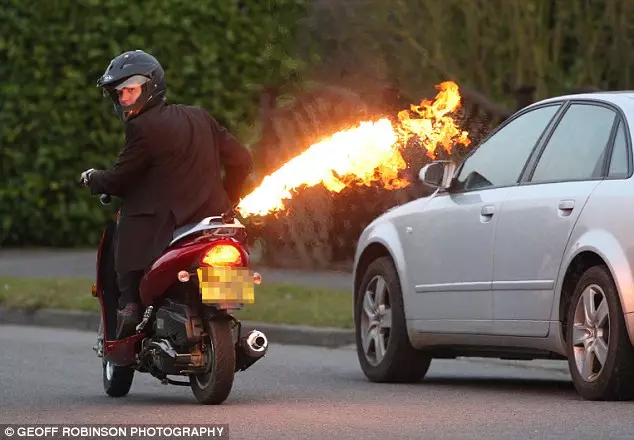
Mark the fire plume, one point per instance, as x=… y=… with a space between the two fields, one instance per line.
x=434 y=126
x=362 y=155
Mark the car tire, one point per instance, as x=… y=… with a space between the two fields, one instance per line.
x=400 y=362
x=600 y=355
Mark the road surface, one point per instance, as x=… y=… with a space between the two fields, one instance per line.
x=53 y=376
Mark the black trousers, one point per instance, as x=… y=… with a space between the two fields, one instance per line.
x=128 y=283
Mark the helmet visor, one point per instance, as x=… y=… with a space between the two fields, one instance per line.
x=133 y=81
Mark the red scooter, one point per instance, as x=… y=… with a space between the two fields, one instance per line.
x=189 y=294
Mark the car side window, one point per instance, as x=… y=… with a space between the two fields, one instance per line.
x=619 y=160
x=500 y=159
x=577 y=146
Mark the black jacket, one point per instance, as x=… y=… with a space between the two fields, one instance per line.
x=169 y=175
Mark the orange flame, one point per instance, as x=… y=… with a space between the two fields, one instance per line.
x=362 y=155
x=435 y=126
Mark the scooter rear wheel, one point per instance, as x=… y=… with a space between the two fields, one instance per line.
x=213 y=387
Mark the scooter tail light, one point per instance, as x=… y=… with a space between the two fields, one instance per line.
x=222 y=255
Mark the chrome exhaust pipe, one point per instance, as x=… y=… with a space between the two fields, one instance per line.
x=250 y=349
x=256 y=343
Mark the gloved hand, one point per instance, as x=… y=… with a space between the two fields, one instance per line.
x=85 y=176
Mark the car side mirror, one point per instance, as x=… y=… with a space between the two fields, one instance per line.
x=437 y=174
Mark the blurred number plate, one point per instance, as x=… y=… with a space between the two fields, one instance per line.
x=226 y=285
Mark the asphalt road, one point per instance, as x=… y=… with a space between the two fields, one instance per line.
x=53 y=376
x=40 y=263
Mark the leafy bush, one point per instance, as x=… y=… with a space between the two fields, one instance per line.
x=491 y=46
x=54 y=122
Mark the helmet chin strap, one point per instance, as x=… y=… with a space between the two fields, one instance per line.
x=129 y=114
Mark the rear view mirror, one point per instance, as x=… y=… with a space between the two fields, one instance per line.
x=437 y=174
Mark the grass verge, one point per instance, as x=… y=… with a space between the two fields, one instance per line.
x=274 y=303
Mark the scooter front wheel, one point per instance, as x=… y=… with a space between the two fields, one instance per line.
x=214 y=386
x=117 y=381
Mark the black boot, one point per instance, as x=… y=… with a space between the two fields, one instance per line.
x=127 y=320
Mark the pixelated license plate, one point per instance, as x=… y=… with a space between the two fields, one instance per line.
x=221 y=285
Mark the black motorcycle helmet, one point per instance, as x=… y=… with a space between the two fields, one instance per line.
x=134 y=68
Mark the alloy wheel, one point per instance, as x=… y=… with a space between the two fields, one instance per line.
x=376 y=320
x=591 y=332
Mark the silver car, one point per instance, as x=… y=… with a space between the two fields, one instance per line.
x=524 y=251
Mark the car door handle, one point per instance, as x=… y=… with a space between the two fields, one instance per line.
x=487 y=210
x=567 y=205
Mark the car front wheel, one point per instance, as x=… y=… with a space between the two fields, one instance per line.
x=383 y=348
x=600 y=355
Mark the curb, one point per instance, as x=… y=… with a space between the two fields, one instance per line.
x=89 y=321
x=276 y=333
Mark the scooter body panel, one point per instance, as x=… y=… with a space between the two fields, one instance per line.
x=186 y=256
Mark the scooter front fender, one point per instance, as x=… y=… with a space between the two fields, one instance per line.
x=123 y=352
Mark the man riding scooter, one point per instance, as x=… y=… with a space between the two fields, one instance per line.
x=167 y=175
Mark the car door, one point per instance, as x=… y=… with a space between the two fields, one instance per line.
x=450 y=242
x=537 y=217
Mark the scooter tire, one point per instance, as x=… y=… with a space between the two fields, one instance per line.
x=117 y=381
x=213 y=387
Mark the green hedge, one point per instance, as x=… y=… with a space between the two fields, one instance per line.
x=490 y=46
x=54 y=123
